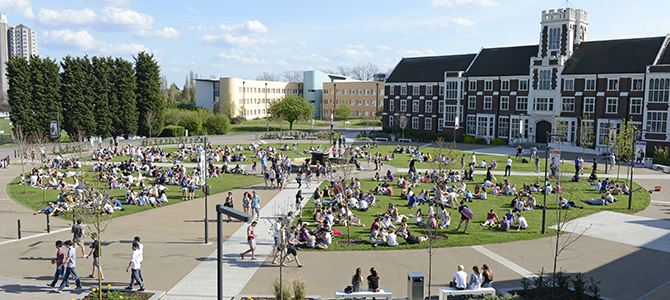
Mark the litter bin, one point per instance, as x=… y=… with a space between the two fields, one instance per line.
x=416 y=286
x=648 y=162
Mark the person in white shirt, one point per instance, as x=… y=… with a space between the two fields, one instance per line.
x=392 y=238
x=508 y=166
x=460 y=279
x=521 y=222
x=135 y=264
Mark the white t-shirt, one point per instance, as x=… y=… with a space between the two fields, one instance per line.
x=461 y=279
x=509 y=161
x=362 y=205
x=392 y=239
x=136 y=260
x=522 y=221
x=141 y=249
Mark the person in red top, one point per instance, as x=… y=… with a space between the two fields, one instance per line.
x=60 y=264
x=251 y=239
x=491 y=219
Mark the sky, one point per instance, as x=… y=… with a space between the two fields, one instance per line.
x=246 y=38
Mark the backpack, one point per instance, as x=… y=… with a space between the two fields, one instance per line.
x=504 y=225
x=349 y=289
x=467 y=213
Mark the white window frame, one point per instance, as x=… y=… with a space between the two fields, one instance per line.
x=504 y=85
x=450 y=113
x=657 y=121
x=440 y=106
x=472 y=85
x=391 y=121
x=451 y=90
x=554 y=39
x=428 y=124
x=637 y=84
x=472 y=102
x=429 y=90
x=521 y=101
x=504 y=103
x=569 y=85
x=636 y=106
x=590 y=84
x=471 y=125
x=523 y=85
x=403 y=105
x=415 y=122
x=590 y=126
x=416 y=106
x=502 y=127
x=403 y=90
x=659 y=90
x=568 y=104
x=391 y=90
x=441 y=92
x=488 y=85
x=482 y=125
x=612 y=106
x=440 y=124
x=488 y=102
x=613 y=84
x=543 y=104
x=391 y=105
x=429 y=106
x=415 y=90
x=544 y=80
x=589 y=105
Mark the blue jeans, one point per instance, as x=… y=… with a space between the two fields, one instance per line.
x=487 y=284
x=70 y=271
x=59 y=272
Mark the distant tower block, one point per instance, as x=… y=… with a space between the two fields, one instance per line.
x=4 y=53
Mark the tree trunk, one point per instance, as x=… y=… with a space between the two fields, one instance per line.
x=290 y=127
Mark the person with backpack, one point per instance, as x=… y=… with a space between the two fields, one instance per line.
x=466 y=215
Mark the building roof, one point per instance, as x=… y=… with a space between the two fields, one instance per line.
x=665 y=60
x=614 y=56
x=505 y=61
x=430 y=68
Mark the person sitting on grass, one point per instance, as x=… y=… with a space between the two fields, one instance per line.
x=417 y=218
x=491 y=219
x=521 y=222
x=377 y=237
x=444 y=216
x=567 y=204
x=392 y=238
x=389 y=177
x=596 y=201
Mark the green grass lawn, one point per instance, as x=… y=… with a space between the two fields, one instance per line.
x=477 y=234
x=6 y=137
x=36 y=201
x=362 y=123
x=253 y=126
x=402 y=160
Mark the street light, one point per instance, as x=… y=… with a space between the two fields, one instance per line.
x=205 y=190
x=238 y=215
x=546 y=180
x=632 y=166
x=267 y=120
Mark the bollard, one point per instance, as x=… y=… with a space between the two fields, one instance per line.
x=19 y=222
x=48 y=225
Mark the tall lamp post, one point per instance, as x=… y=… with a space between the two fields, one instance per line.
x=58 y=122
x=403 y=124
x=632 y=166
x=267 y=120
x=206 y=190
x=546 y=179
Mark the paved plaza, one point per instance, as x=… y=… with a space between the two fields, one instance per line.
x=627 y=253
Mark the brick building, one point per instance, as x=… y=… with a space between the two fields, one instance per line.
x=520 y=93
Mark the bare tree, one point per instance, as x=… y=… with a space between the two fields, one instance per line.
x=150 y=120
x=293 y=76
x=362 y=71
x=564 y=238
x=269 y=77
x=21 y=140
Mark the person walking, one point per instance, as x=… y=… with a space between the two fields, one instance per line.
x=60 y=264
x=251 y=240
x=141 y=248
x=95 y=251
x=78 y=232
x=229 y=203
x=255 y=206
x=70 y=264
x=135 y=264
x=508 y=167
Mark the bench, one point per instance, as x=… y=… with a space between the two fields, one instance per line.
x=363 y=294
x=660 y=167
x=288 y=137
x=405 y=140
x=347 y=123
x=446 y=292
x=381 y=139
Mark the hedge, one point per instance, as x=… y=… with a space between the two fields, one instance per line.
x=172 y=131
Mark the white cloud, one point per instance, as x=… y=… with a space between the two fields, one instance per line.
x=302 y=43
x=463 y=22
x=415 y=52
x=175 y=70
x=353 y=52
x=193 y=10
x=236 y=56
x=355 y=46
x=281 y=63
x=312 y=57
x=109 y=19
x=82 y=40
x=233 y=36
x=19 y=7
x=109 y=2
x=166 y=34
x=381 y=47
x=450 y=3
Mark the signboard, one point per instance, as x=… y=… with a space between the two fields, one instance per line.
x=612 y=135
x=54 y=129
x=640 y=153
x=203 y=166
x=456 y=123
x=554 y=164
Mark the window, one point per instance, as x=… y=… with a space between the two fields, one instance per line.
x=429 y=90
x=488 y=85
x=471 y=125
x=569 y=85
x=472 y=102
x=590 y=84
x=658 y=89
x=403 y=105
x=488 y=102
x=358 y=113
x=604 y=132
x=403 y=90
x=482 y=125
x=613 y=84
x=587 y=130
x=504 y=85
x=325 y=92
x=429 y=106
x=452 y=90
x=657 y=121
x=504 y=103
x=339 y=91
x=544 y=82
x=612 y=105
x=374 y=92
x=358 y=102
x=441 y=90
x=568 y=105
x=589 y=105
x=635 y=106
x=338 y=101
x=440 y=107
x=503 y=126
x=390 y=121
x=351 y=102
x=391 y=90
x=359 y=92
x=440 y=124
x=473 y=85
x=451 y=113
x=544 y=104
x=374 y=103
x=554 y=38
x=415 y=123
x=367 y=102
x=428 y=124
x=415 y=90
x=415 y=106
x=516 y=128
x=637 y=84
x=522 y=103
x=367 y=92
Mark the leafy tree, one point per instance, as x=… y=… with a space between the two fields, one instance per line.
x=77 y=95
x=344 y=111
x=126 y=116
x=174 y=94
x=19 y=94
x=191 y=122
x=147 y=76
x=586 y=134
x=105 y=104
x=164 y=88
x=624 y=143
x=380 y=111
x=216 y=124
x=292 y=108
x=226 y=106
x=45 y=96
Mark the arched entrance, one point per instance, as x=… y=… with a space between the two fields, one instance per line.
x=541 y=129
